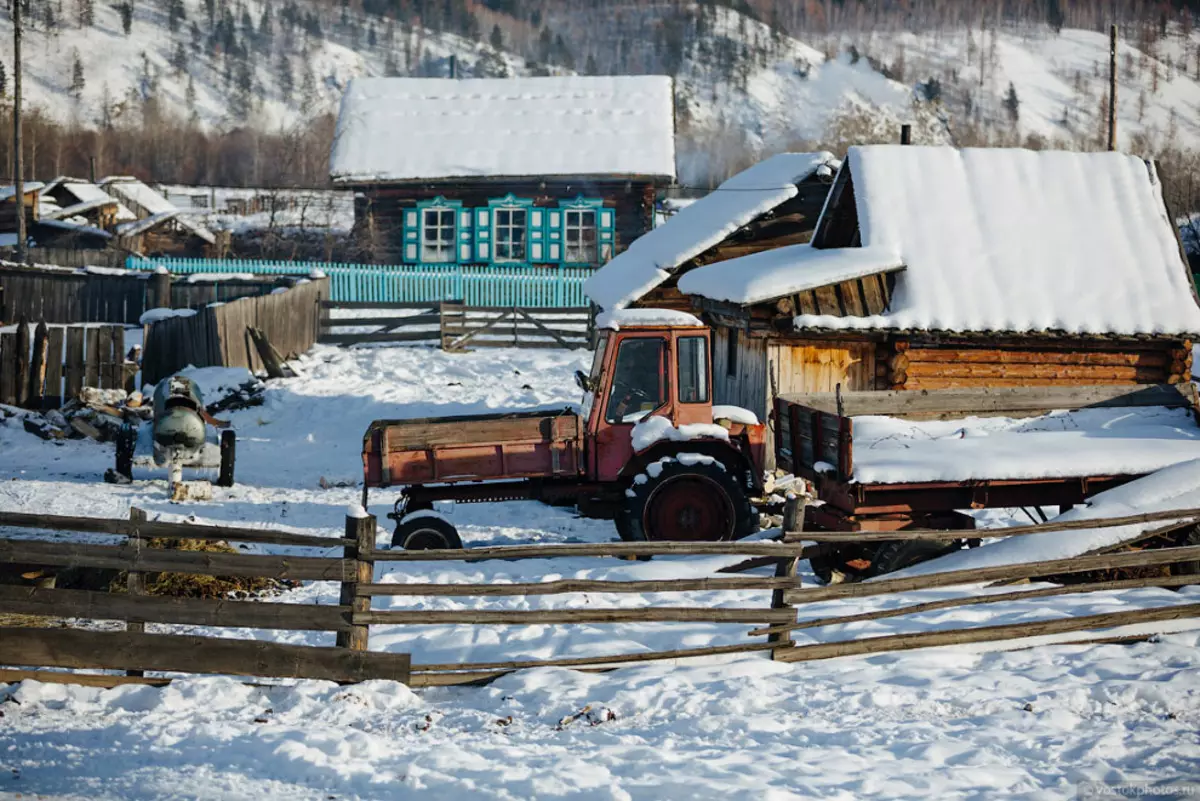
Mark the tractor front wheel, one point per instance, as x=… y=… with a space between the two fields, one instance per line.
x=697 y=502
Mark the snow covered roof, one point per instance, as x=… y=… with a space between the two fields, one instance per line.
x=1018 y=240
x=146 y=223
x=404 y=129
x=8 y=190
x=651 y=258
x=785 y=271
x=638 y=317
x=152 y=204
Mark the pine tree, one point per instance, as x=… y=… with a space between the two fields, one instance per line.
x=77 y=79
x=496 y=40
x=126 y=11
x=1054 y=15
x=85 y=13
x=390 y=67
x=287 y=83
x=189 y=95
x=3 y=81
x=179 y=58
x=372 y=40
x=176 y=14
x=591 y=68
x=1012 y=104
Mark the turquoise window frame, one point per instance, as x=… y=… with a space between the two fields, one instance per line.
x=458 y=233
x=511 y=202
x=604 y=221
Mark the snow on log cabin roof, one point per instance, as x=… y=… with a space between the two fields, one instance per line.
x=413 y=129
x=994 y=239
x=151 y=206
x=700 y=225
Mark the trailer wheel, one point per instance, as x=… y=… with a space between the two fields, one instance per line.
x=898 y=554
x=422 y=532
x=228 y=458
x=698 y=502
x=1187 y=538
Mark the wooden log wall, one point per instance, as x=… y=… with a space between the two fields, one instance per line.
x=44 y=367
x=915 y=364
x=219 y=336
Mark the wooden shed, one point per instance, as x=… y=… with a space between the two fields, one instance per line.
x=936 y=268
x=546 y=172
x=772 y=204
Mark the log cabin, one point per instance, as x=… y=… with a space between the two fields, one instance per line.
x=159 y=227
x=525 y=172
x=772 y=204
x=82 y=202
x=937 y=268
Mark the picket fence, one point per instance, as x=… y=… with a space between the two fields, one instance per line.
x=472 y=284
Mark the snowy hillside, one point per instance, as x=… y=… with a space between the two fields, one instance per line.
x=742 y=88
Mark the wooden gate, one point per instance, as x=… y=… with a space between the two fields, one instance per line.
x=42 y=367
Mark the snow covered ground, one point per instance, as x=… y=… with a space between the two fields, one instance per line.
x=944 y=723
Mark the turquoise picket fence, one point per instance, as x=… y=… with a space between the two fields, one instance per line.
x=474 y=285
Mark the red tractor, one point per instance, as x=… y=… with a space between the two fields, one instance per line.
x=648 y=449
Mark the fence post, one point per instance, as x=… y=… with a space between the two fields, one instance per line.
x=361 y=532
x=793 y=527
x=160 y=289
x=135 y=583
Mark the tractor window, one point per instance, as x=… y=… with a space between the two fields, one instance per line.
x=693 y=370
x=639 y=380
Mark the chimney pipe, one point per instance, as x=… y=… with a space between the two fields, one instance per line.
x=453 y=66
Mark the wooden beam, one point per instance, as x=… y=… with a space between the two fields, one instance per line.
x=1051 y=567
x=649 y=656
x=122 y=650
x=221 y=613
x=526 y=617
x=106 y=680
x=1012 y=631
x=154 y=560
x=579 y=585
x=753 y=548
x=165 y=530
x=976 y=600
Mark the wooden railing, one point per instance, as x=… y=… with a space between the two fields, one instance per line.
x=351 y=618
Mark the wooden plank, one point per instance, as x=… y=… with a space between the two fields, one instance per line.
x=1052 y=567
x=827 y=301
x=91 y=377
x=426 y=433
x=358 y=339
x=107 y=680
x=36 y=393
x=852 y=301
x=976 y=600
x=874 y=293
x=389 y=322
x=573 y=549
x=8 y=369
x=806 y=302
x=156 y=609
x=22 y=376
x=650 y=656
x=992 y=400
x=146 y=560
x=74 y=364
x=121 y=650
x=1011 y=631
x=54 y=369
x=1135 y=358
x=1056 y=371
x=103 y=350
x=116 y=378
x=159 y=528
x=525 y=617
x=579 y=585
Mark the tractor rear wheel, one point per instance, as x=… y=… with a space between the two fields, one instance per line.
x=698 y=502
x=425 y=532
x=899 y=554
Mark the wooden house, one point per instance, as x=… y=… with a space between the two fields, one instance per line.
x=936 y=268
x=549 y=171
x=772 y=204
x=8 y=205
x=82 y=202
x=159 y=226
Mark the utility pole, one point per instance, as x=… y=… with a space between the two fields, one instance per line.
x=1112 y=87
x=18 y=167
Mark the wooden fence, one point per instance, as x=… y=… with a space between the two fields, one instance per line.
x=65 y=296
x=351 y=660
x=43 y=368
x=458 y=327
x=71 y=257
x=223 y=336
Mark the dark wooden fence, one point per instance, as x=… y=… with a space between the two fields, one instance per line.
x=43 y=368
x=351 y=618
x=458 y=327
x=221 y=336
x=71 y=257
x=61 y=295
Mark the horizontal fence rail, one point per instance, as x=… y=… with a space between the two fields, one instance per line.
x=351 y=618
x=473 y=284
